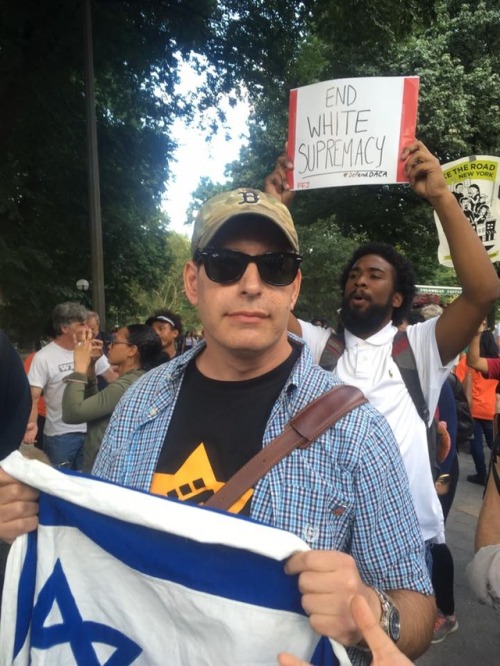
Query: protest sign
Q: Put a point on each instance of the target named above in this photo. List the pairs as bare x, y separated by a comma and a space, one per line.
475, 183
351, 131
120, 576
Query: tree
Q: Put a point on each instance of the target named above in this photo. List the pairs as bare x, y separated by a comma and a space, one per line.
169, 293
138, 45
325, 251
455, 49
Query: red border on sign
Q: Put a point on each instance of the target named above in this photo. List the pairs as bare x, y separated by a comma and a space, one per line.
292, 124
408, 121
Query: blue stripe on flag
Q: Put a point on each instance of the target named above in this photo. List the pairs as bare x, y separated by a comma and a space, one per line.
26, 592
220, 570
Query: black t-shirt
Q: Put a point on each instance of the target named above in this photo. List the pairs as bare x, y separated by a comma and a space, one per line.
216, 427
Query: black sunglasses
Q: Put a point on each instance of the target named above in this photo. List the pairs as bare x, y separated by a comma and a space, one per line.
225, 266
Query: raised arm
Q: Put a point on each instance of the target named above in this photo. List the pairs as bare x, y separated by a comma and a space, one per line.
474, 360
479, 281
276, 184
82, 402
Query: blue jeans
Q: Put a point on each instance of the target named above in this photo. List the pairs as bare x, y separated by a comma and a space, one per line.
481, 426
65, 450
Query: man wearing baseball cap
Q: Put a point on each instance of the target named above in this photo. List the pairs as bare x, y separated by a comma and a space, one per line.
186, 427
168, 326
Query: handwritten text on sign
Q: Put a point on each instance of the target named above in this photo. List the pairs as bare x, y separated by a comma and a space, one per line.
351, 131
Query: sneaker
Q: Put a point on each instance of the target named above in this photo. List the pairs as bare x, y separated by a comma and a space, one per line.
444, 625
477, 479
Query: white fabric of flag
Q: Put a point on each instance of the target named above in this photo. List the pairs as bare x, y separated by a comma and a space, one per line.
116, 576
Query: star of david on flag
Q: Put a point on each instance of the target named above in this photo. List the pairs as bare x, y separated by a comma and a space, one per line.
115, 576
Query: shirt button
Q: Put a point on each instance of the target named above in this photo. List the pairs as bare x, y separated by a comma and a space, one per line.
153, 411
310, 534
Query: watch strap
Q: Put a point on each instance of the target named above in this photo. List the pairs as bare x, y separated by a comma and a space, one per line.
389, 619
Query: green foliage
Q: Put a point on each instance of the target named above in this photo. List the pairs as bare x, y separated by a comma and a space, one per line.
169, 292
138, 46
268, 47
455, 49
325, 251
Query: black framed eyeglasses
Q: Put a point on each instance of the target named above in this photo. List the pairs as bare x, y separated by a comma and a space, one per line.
278, 269
119, 342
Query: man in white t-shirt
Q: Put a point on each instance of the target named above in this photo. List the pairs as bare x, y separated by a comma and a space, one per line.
62, 442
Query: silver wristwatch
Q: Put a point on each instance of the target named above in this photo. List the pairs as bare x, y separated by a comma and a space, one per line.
389, 620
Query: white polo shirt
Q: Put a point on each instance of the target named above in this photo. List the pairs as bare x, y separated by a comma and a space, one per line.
368, 364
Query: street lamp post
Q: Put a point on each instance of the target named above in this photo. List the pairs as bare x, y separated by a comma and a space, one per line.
83, 286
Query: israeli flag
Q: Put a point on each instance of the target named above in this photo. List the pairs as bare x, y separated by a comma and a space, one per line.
115, 576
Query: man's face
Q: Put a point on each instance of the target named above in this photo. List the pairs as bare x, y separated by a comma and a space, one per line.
76, 328
93, 325
166, 332
247, 318
369, 296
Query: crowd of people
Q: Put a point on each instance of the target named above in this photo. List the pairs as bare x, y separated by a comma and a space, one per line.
369, 495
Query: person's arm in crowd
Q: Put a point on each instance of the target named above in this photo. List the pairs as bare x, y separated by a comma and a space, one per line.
32, 428
18, 508
476, 274
81, 401
488, 524
276, 184
110, 375
384, 652
474, 360
86, 353
328, 581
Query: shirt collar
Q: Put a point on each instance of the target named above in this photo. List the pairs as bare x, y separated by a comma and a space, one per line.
378, 339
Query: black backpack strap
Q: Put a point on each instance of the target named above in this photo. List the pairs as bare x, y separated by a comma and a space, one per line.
333, 350
404, 358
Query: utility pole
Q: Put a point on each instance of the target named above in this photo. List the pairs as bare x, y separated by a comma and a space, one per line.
96, 251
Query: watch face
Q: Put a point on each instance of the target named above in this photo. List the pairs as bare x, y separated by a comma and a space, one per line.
394, 625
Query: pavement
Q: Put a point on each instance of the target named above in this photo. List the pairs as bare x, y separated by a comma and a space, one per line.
477, 640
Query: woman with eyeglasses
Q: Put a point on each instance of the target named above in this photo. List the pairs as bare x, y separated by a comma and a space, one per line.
134, 350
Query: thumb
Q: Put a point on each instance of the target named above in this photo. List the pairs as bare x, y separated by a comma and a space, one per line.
382, 648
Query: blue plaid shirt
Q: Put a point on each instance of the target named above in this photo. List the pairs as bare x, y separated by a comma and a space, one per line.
348, 491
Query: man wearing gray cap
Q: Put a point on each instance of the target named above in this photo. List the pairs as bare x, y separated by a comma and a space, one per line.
346, 495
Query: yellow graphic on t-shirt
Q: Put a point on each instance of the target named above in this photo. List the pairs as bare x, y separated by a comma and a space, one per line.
194, 481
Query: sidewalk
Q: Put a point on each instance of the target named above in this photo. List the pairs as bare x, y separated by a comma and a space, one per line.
477, 640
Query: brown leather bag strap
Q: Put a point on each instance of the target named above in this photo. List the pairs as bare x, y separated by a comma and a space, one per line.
301, 431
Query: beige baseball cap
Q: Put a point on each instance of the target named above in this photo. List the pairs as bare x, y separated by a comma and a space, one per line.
224, 207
